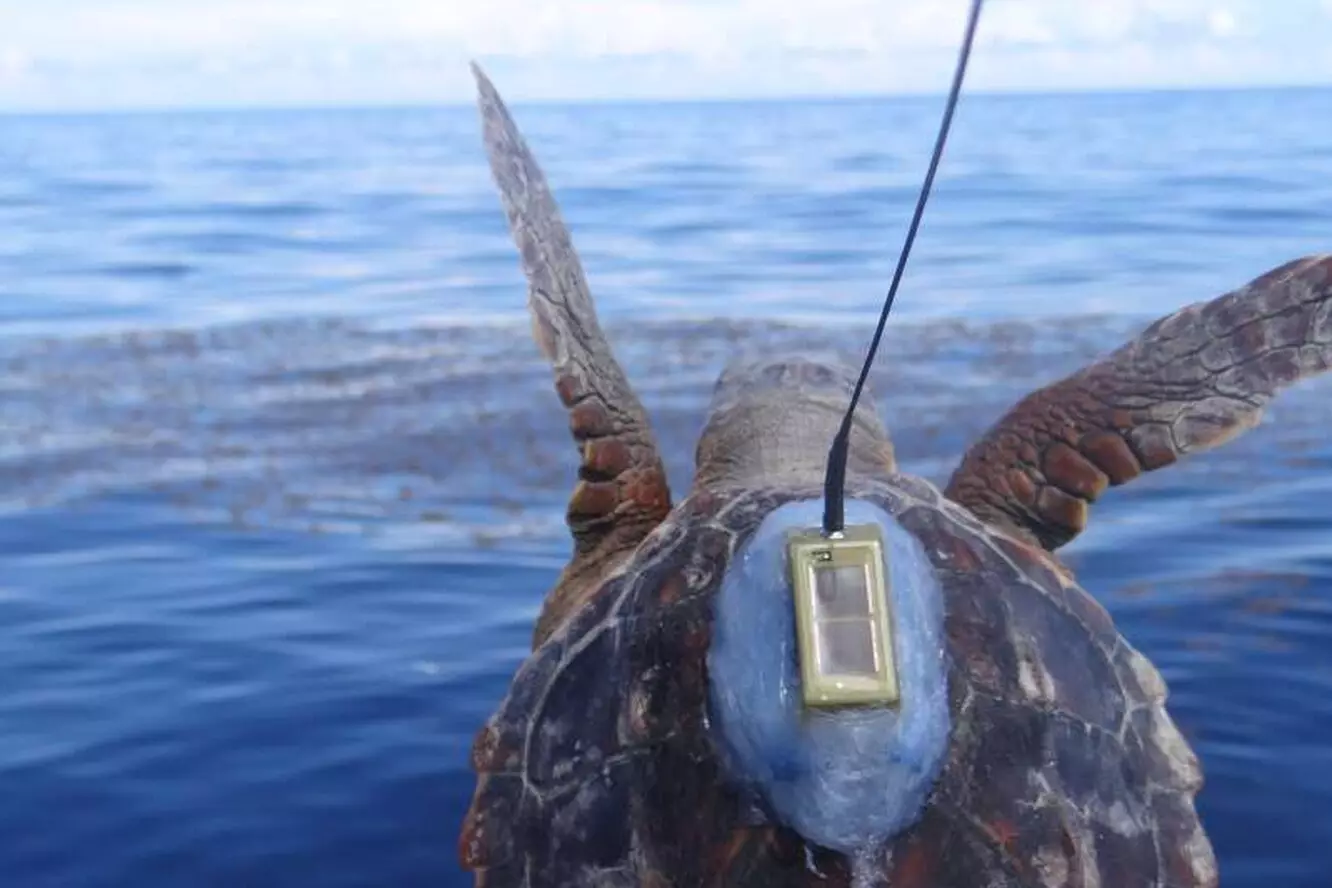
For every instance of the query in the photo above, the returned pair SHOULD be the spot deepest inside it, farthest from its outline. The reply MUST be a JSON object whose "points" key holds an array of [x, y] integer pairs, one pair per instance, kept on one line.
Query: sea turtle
{"points": [[653, 736]]}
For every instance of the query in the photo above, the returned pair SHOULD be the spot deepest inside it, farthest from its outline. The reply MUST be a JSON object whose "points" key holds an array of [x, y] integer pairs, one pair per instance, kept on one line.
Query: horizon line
{"points": [[582, 102]]}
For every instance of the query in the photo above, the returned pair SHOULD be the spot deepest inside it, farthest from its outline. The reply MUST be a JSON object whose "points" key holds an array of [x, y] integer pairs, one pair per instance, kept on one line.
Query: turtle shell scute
{"points": [[1046, 574], [1167, 758], [945, 850], [487, 839], [501, 744], [1058, 663], [603, 607], [742, 515], [666, 689], [901, 488], [995, 752], [1064, 768], [574, 729], [1186, 853], [691, 569], [976, 631], [951, 547], [586, 838]]}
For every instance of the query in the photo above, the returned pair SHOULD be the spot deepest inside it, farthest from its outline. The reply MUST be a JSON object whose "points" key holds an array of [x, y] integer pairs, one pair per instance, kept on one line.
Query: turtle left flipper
{"points": [[622, 493], [1189, 382]]}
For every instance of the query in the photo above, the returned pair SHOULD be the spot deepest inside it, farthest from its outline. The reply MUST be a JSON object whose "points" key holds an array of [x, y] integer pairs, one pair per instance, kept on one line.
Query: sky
{"points": [[113, 54]]}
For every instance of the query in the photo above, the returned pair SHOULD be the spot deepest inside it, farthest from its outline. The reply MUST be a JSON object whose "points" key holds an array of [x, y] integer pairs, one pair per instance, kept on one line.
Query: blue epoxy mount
{"points": [[845, 779]]}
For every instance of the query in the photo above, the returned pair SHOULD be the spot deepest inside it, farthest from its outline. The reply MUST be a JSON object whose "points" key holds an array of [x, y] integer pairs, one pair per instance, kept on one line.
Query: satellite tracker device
{"points": [[844, 622]]}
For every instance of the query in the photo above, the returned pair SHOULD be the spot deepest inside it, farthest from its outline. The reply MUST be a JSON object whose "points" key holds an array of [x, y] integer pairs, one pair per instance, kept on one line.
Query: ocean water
{"points": [[282, 474]]}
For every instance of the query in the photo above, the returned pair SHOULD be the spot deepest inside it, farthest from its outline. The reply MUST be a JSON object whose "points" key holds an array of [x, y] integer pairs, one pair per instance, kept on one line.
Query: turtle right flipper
{"points": [[1189, 382], [622, 492]]}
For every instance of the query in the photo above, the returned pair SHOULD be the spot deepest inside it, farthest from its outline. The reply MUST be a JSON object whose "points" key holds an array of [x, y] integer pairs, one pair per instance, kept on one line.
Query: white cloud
{"points": [[1221, 22], [117, 51], [14, 63]]}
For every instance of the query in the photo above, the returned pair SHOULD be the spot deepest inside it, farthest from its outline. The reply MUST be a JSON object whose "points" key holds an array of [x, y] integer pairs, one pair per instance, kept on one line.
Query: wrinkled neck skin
{"points": [[772, 423]]}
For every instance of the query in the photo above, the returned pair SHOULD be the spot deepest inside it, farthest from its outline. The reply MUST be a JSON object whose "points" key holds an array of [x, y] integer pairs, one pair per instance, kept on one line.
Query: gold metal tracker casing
{"points": [[843, 624]]}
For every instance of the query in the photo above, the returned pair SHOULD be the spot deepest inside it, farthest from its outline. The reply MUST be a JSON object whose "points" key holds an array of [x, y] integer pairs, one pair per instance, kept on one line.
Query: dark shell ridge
{"points": [[1064, 767]]}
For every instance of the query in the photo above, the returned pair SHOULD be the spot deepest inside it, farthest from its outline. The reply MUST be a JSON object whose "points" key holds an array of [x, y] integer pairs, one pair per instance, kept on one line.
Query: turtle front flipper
{"points": [[1189, 382], [622, 492]]}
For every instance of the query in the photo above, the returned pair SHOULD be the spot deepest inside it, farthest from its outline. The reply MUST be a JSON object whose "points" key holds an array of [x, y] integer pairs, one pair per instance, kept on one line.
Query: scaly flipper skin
{"points": [[622, 492], [1189, 382]]}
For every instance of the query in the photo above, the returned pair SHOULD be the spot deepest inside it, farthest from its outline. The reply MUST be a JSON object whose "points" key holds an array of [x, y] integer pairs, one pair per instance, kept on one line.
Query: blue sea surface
{"points": [[282, 474]]}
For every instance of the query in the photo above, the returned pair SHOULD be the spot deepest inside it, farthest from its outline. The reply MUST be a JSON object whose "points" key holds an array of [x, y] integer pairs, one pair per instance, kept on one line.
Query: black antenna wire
{"points": [[834, 484]]}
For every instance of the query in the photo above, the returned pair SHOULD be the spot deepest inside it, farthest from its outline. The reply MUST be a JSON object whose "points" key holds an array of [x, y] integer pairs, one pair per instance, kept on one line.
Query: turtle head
{"points": [[772, 421]]}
